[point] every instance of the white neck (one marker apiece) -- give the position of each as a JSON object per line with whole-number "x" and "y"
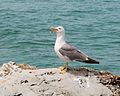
{"x": 60, "y": 39}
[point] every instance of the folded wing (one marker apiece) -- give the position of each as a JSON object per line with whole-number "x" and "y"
{"x": 75, "y": 55}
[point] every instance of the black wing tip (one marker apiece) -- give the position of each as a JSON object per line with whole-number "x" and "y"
{"x": 91, "y": 61}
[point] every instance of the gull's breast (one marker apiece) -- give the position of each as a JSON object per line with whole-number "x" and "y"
{"x": 64, "y": 58}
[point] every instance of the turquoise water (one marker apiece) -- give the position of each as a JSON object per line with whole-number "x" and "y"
{"x": 91, "y": 25}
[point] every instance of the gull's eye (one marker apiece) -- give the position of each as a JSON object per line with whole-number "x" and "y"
{"x": 59, "y": 28}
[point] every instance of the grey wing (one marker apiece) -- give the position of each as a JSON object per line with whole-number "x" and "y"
{"x": 72, "y": 53}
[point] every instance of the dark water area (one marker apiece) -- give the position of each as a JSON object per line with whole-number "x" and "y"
{"x": 93, "y": 26}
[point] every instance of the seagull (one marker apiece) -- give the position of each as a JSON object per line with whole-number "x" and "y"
{"x": 67, "y": 52}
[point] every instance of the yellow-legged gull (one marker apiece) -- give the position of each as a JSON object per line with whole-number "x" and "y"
{"x": 67, "y": 52}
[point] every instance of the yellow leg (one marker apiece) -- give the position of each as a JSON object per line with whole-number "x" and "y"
{"x": 64, "y": 68}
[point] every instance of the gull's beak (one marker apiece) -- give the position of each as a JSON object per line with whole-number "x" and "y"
{"x": 54, "y": 29}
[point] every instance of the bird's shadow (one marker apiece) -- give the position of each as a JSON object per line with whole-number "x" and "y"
{"x": 83, "y": 71}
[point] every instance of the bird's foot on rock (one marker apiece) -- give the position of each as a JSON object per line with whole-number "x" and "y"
{"x": 63, "y": 69}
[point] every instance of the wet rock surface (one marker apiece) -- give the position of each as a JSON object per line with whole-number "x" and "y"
{"x": 29, "y": 81}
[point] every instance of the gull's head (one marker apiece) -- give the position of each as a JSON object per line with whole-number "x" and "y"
{"x": 58, "y": 30}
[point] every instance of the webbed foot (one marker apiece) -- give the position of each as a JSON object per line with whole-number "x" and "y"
{"x": 64, "y": 68}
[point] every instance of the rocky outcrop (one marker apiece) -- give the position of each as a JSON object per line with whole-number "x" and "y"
{"x": 25, "y": 80}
